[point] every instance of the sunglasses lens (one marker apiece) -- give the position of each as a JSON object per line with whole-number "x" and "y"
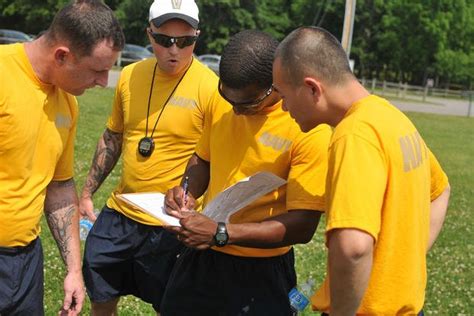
{"x": 180, "y": 42}
{"x": 185, "y": 41}
{"x": 163, "y": 40}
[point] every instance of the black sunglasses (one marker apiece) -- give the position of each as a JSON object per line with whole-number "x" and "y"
{"x": 168, "y": 41}
{"x": 248, "y": 105}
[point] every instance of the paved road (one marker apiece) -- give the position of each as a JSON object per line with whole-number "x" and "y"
{"x": 433, "y": 105}
{"x": 437, "y": 105}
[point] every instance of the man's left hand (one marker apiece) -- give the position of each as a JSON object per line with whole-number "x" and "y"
{"x": 196, "y": 231}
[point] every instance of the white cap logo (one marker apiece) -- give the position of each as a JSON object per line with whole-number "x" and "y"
{"x": 176, "y": 4}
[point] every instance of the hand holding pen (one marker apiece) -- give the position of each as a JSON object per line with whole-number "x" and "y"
{"x": 179, "y": 201}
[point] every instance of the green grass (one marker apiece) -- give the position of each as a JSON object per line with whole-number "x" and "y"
{"x": 450, "y": 288}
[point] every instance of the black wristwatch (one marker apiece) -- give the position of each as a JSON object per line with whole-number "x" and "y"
{"x": 221, "y": 237}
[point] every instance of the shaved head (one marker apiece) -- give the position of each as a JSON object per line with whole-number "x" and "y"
{"x": 313, "y": 52}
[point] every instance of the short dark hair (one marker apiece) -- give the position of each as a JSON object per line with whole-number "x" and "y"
{"x": 313, "y": 51}
{"x": 84, "y": 24}
{"x": 247, "y": 60}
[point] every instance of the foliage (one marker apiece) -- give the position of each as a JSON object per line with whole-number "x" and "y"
{"x": 396, "y": 40}
{"x": 28, "y": 16}
{"x": 133, "y": 16}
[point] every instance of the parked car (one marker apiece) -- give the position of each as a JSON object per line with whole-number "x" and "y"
{"x": 132, "y": 53}
{"x": 13, "y": 36}
{"x": 149, "y": 48}
{"x": 211, "y": 60}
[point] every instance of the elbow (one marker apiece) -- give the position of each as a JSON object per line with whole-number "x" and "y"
{"x": 307, "y": 236}
{"x": 351, "y": 244}
{"x": 307, "y": 230}
{"x": 447, "y": 191}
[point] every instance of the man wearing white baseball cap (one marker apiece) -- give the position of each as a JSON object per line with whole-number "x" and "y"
{"x": 156, "y": 121}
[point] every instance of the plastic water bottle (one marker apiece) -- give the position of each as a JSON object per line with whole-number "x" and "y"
{"x": 300, "y": 296}
{"x": 85, "y": 225}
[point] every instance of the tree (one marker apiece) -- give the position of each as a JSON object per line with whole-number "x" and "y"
{"x": 133, "y": 16}
{"x": 29, "y": 16}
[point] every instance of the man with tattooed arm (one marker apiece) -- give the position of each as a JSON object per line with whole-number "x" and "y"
{"x": 38, "y": 118}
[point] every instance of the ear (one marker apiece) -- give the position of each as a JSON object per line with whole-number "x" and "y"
{"x": 315, "y": 86}
{"x": 150, "y": 38}
{"x": 198, "y": 32}
{"x": 61, "y": 54}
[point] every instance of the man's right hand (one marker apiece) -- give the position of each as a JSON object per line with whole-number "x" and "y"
{"x": 175, "y": 202}
{"x": 86, "y": 208}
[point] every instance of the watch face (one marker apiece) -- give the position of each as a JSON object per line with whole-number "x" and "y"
{"x": 221, "y": 238}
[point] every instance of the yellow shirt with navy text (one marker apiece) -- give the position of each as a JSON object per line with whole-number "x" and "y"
{"x": 176, "y": 134}
{"x": 381, "y": 180}
{"x": 238, "y": 146}
{"x": 37, "y": 131}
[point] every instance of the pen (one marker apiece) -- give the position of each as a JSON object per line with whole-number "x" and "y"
{"x": 185, "y": 189}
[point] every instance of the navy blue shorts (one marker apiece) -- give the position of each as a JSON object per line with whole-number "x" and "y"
{"x": 21, "y": 280}
{"x": 123, "y": 257}
{"x": 213, "y": 283}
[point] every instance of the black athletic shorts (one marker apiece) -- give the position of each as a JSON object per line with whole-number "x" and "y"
{"x": 123, "y": 257}
{"x": 213, "y": 283}
{"x": 21, "y": 280}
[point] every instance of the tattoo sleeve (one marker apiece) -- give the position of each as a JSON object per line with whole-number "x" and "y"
{"x": 60, "y": 208}
{"x": 105, "y": 158}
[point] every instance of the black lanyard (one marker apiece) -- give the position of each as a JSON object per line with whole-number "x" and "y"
{"x": 146, "y": 144}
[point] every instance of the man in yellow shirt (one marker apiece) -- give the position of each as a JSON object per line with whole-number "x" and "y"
{"x": 386, "y": 194}
{"x": 157, "y": 118}
{"x": 38, "y": 118}
{"x": 246, "y": 266}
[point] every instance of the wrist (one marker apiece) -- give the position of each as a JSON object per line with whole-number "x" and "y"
{"x": 221, "y": 237}
{"x": 74, "y": 268}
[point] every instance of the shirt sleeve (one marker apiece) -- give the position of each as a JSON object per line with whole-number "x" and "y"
{"x": 115, "y": 120}
{"x": 65, "y": 166}
{"x": 439, "y": 179}
{"x": 307, "y": 177}
{"x": 203, "y": 146}
{"x": 357, "y": 176}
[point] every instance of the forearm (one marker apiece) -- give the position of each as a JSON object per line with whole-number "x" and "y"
{"x": 294, "y": 227}
{"x": 105, "y": 158}
{"x": 350, "y": 265}
{"x": 60, "y": 208}
{"x": 198, "y": 171}
{"x": 438, "y": 210}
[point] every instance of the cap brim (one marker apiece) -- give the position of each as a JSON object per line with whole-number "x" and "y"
{"x": 166, "y": 17}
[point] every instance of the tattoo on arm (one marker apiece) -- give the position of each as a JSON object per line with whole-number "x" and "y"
{"x": 106, "y": 156}
{"x": 60, "y": 210}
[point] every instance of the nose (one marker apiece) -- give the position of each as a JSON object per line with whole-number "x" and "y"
{"x": 102, "y": 79}
{"x": 174, "y": 49}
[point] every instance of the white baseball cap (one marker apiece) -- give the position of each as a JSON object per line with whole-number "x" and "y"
{"x": 164, "y": 10}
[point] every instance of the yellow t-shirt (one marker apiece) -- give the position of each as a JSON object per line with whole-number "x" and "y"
{"x": 239, "y": 146}
{"x": 176, "y": 134}
{"x": 381, "y": 180}
{"x": 37, "y": 130}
